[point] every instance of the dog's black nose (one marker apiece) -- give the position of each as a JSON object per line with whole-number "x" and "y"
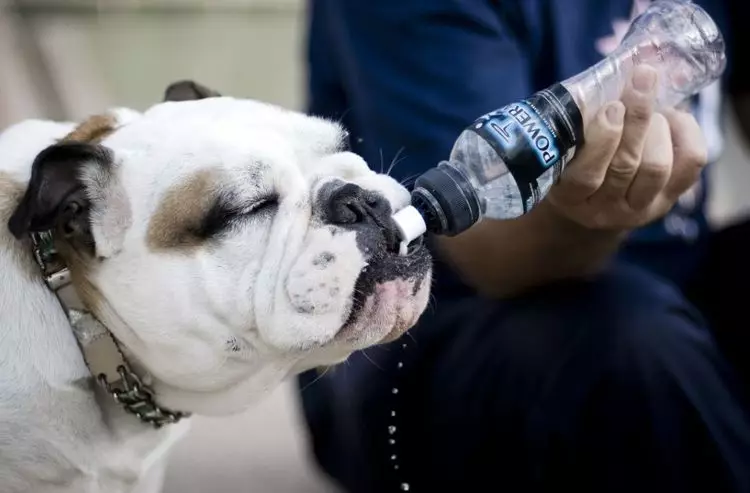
{"x": 350, "y": 204}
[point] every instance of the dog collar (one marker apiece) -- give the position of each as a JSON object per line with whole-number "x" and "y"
{"x": 99, "y": 347}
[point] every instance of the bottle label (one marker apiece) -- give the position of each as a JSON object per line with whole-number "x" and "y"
{"x": 534, "y": 135}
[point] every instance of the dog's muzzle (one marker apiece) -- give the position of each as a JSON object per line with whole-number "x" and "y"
{"x": 370, "y": 216}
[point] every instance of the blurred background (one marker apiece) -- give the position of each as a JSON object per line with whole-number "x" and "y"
{"x": 67, "y": 59}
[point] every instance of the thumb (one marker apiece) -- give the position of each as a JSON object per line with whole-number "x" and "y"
{"x": 586, "y": 171}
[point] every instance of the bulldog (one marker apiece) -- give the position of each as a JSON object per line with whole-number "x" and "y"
{"x": 184, "y": 260}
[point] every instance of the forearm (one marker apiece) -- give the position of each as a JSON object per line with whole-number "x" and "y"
{"x": 503, "y": 258}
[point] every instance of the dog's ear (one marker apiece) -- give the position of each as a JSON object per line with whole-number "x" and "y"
{"x": 96, "y": 128}
{"x": 188, "y": 90}
{"x": 57, "y": 198}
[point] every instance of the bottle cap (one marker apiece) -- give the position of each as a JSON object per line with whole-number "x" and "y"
{"x": 410, "y": 225}
{"x": 448, "y": 202}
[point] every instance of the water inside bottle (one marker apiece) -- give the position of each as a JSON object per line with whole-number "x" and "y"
{"x": 498, "y": 192}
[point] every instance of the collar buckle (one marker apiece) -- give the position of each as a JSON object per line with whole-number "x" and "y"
{"x": 56, "y": 273}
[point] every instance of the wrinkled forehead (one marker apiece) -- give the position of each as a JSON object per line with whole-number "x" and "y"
{"x": 225, "y": 132}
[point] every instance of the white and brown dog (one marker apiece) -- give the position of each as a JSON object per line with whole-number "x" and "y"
{"x": 223, "y": 244}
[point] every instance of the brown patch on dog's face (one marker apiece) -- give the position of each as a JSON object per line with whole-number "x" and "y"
{"x": 93, "y": 130}
{"x": 177, "y": 221}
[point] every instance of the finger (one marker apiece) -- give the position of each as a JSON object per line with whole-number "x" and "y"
{"x": 585, "y": 173}
{"x": 656, "y": 164}
{"x": 690, "y": 152}
{"x": 638, "y": 98}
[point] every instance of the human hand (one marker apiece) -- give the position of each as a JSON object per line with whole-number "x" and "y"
{"x": 635, "y": 163}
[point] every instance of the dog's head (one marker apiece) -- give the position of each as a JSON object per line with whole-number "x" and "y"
{"x": 226, "y": 242}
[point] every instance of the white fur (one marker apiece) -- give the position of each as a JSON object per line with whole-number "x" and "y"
{"x": 175, "y": 312}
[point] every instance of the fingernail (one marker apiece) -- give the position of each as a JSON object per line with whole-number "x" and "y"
{"x": 615, "y": 113}
{"x": 644, "y": 79}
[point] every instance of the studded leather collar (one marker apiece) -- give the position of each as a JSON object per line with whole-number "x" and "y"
{"x": 99, "y": 347}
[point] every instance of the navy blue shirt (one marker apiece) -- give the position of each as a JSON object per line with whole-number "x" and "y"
{"x": 404, "y": 104}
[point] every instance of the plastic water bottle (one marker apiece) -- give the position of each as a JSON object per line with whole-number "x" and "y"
{"x": 504, "y": 163}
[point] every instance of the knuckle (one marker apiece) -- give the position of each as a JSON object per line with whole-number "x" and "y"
{"x": 657, "y": 156}
{"x": 655, "y": 167}
{"x": 622, "y": 169}
{"x": 690, "y": 143}
{"x": 659, "y": 125}
{"x": 626, "y": 161}
{"x": 584, "y": 183}
{"x": 695, "y": 156}
{"x": 638, "y": 113}
{"x": 681, "y": 120}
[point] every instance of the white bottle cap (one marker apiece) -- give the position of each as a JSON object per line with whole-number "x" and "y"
{"x": 410, "y": 225}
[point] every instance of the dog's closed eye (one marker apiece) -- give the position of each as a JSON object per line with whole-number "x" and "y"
{"x": 227, "y": 211}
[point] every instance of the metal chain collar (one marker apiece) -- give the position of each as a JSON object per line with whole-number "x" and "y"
{"x": 138, "y": 399}
{"x": 124, "y": 386}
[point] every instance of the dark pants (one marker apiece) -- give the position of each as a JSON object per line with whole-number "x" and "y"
{"x": 720, "y": 290}
{"x": 613, "y": 384}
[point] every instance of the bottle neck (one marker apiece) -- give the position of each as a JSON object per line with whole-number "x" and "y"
{"x": 562, "y": 112}
{"x": 446, "y": 199}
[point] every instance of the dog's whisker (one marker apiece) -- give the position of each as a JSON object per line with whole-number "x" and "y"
{"x": 359, "y": 292}
{"x": 411, "y": 336}
{"x": 343, "y": 115}
{"x": 382, "y": 161}
{"x": 364, "y": 353}
{"x": 320, "y": 375}
{"x": 395, "y": 161}
{"x": 432, "y": 303}
{"x": 406, "y": 181}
